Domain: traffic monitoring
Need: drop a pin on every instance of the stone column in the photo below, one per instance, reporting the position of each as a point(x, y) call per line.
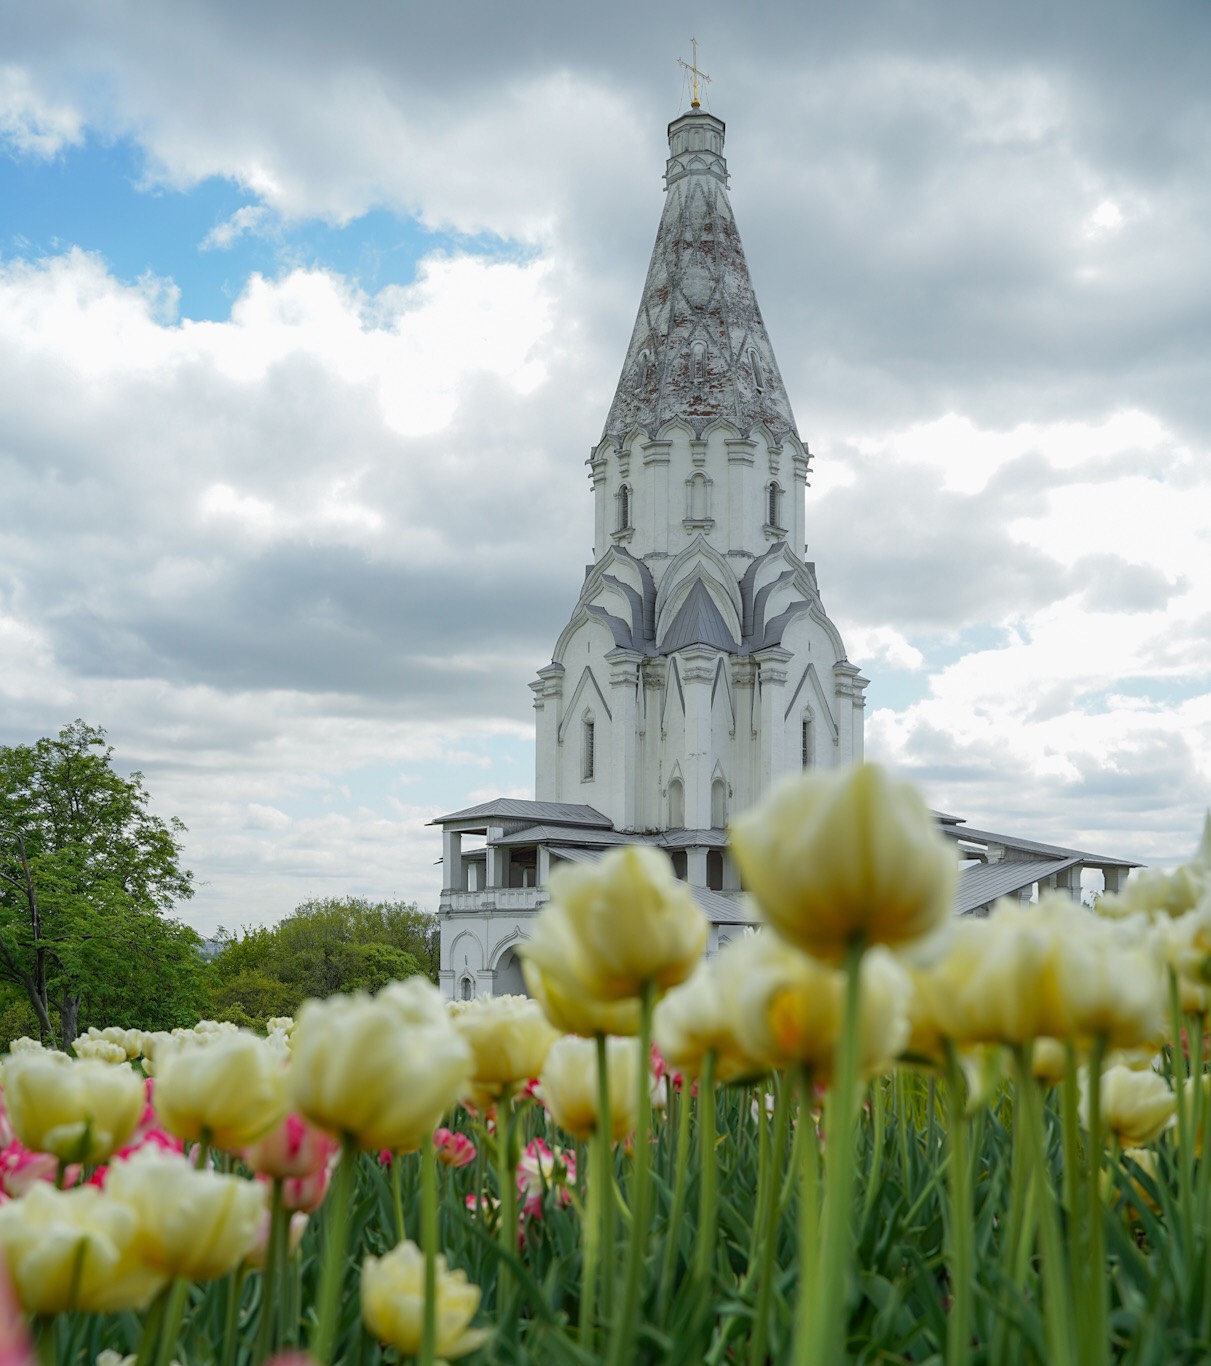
point(548, 706)
point(452, 861)
point(849, 686)
point(743, 532)
point(622, 780)
point(695, 867)
point(657, 515)
point(772, 757)
point(698, 761)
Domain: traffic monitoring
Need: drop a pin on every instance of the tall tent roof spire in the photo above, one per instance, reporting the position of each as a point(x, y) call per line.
point(699, 350)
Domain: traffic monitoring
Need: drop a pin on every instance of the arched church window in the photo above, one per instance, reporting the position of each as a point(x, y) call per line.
point(588, 749)
point(698, 501)
point(698, 362)
point(645, 369)
point(467, 989)
point(754, 364)
point(624, 508)
point(774, 504)
point(806, 741)
point(676, 805)
point(718, 804)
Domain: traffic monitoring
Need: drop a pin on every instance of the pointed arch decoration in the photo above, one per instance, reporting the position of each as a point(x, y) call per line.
point(586, 687)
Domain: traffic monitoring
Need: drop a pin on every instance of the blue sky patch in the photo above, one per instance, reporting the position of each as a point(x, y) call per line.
point(90, 197)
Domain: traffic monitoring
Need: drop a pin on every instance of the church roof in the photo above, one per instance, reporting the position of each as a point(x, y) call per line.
point(698, 622)
point(517, 809)
point(699, 350)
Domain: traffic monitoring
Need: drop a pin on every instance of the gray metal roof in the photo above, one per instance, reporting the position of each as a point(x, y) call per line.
point(515, 809)
point(698, 622)
point(984, 882)
point(965, 832)
point(721, 909)
point(692, 839)
point(566, 834)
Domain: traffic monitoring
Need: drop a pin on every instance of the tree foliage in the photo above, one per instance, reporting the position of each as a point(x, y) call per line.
point(325, 946)
point(87, 874)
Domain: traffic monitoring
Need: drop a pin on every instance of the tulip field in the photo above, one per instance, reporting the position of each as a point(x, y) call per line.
point(864, 1131)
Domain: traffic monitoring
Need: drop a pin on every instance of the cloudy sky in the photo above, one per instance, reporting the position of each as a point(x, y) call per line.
point(310, 314)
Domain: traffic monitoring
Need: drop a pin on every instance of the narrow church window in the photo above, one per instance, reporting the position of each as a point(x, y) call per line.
point(624, 508)
point(806, 739)
point(676, 805)
point(754, 361)
point(698, 362)
point(588, 758)
point(681, 861)
point(775, 505)
point(698, 498)
point(718, 804)
point(467, 989)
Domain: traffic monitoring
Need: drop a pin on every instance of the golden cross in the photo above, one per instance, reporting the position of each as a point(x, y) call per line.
point(695, 74)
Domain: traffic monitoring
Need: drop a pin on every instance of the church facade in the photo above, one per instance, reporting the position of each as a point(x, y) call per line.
point(699, 664)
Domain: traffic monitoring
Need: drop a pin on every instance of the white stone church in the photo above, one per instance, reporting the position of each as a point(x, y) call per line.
point(699, 664)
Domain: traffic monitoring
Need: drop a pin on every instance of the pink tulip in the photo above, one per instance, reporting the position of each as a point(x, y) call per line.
point(294, 1149)
point(453, 1150)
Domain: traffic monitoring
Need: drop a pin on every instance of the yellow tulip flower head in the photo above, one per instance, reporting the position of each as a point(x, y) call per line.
point(614, 926)
point(229, 1090)
point(509, 1037)
point(1136, 1106)
point(78, 1111)
point(789, 1007)
point(695, 1019)
point(569, 1084)
point(75, 1251)
point(380, 1071)
point(393, 1299)
point(198, 1224)
point(830, 857)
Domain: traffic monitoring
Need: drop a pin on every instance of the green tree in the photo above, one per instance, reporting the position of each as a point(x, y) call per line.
point(324, 946)
point(87, 874)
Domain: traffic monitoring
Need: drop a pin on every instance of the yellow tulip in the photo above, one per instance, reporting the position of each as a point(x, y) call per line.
point(393, 1301)
point(563, 998)
point(1136, 1107)
point(75, 1251)
point(695, 1019)
point(198, 1224)
point(833, 857)
point(789, 1007)
point(509, 1037)
point(614, 926)
point(569, 1084)
point(229, 1091)
point(380, 1071)
point(78, 1111)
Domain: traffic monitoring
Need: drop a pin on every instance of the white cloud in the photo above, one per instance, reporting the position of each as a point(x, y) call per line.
point(248, 220)
point(32, 123)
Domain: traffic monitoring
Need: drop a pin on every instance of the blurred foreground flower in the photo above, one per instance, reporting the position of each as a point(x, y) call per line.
point(831, 857)
point(698, 1017)
point(75, 1250)
point(77, 1111)
point(393, 1294)
point(293, 1149)
point(380, 1071)
point(541, 1170)
point(569, 1084)
point(190, 1223)
point(229, 1091)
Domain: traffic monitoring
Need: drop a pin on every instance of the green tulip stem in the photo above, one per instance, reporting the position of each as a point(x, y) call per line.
point(174, 1313)
point(1057, 1320)
point(958, 1323)
point(595, 1213)
point(231, 1325)
point(46, 1342)
point(332, 1270)
point(506, 1179)
point(603, 1138)
point(278, 1220)
point(762, 1260)
point(685, 1111)
point(150, 1335)
point(1185, 1135)
point(428, 1233)
point(202, 1151)
point(397, 1196)
point(805, 1156)
point(1097, 1330)
point(704, 1251)
point(820, 1341)
point(625, 1328)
